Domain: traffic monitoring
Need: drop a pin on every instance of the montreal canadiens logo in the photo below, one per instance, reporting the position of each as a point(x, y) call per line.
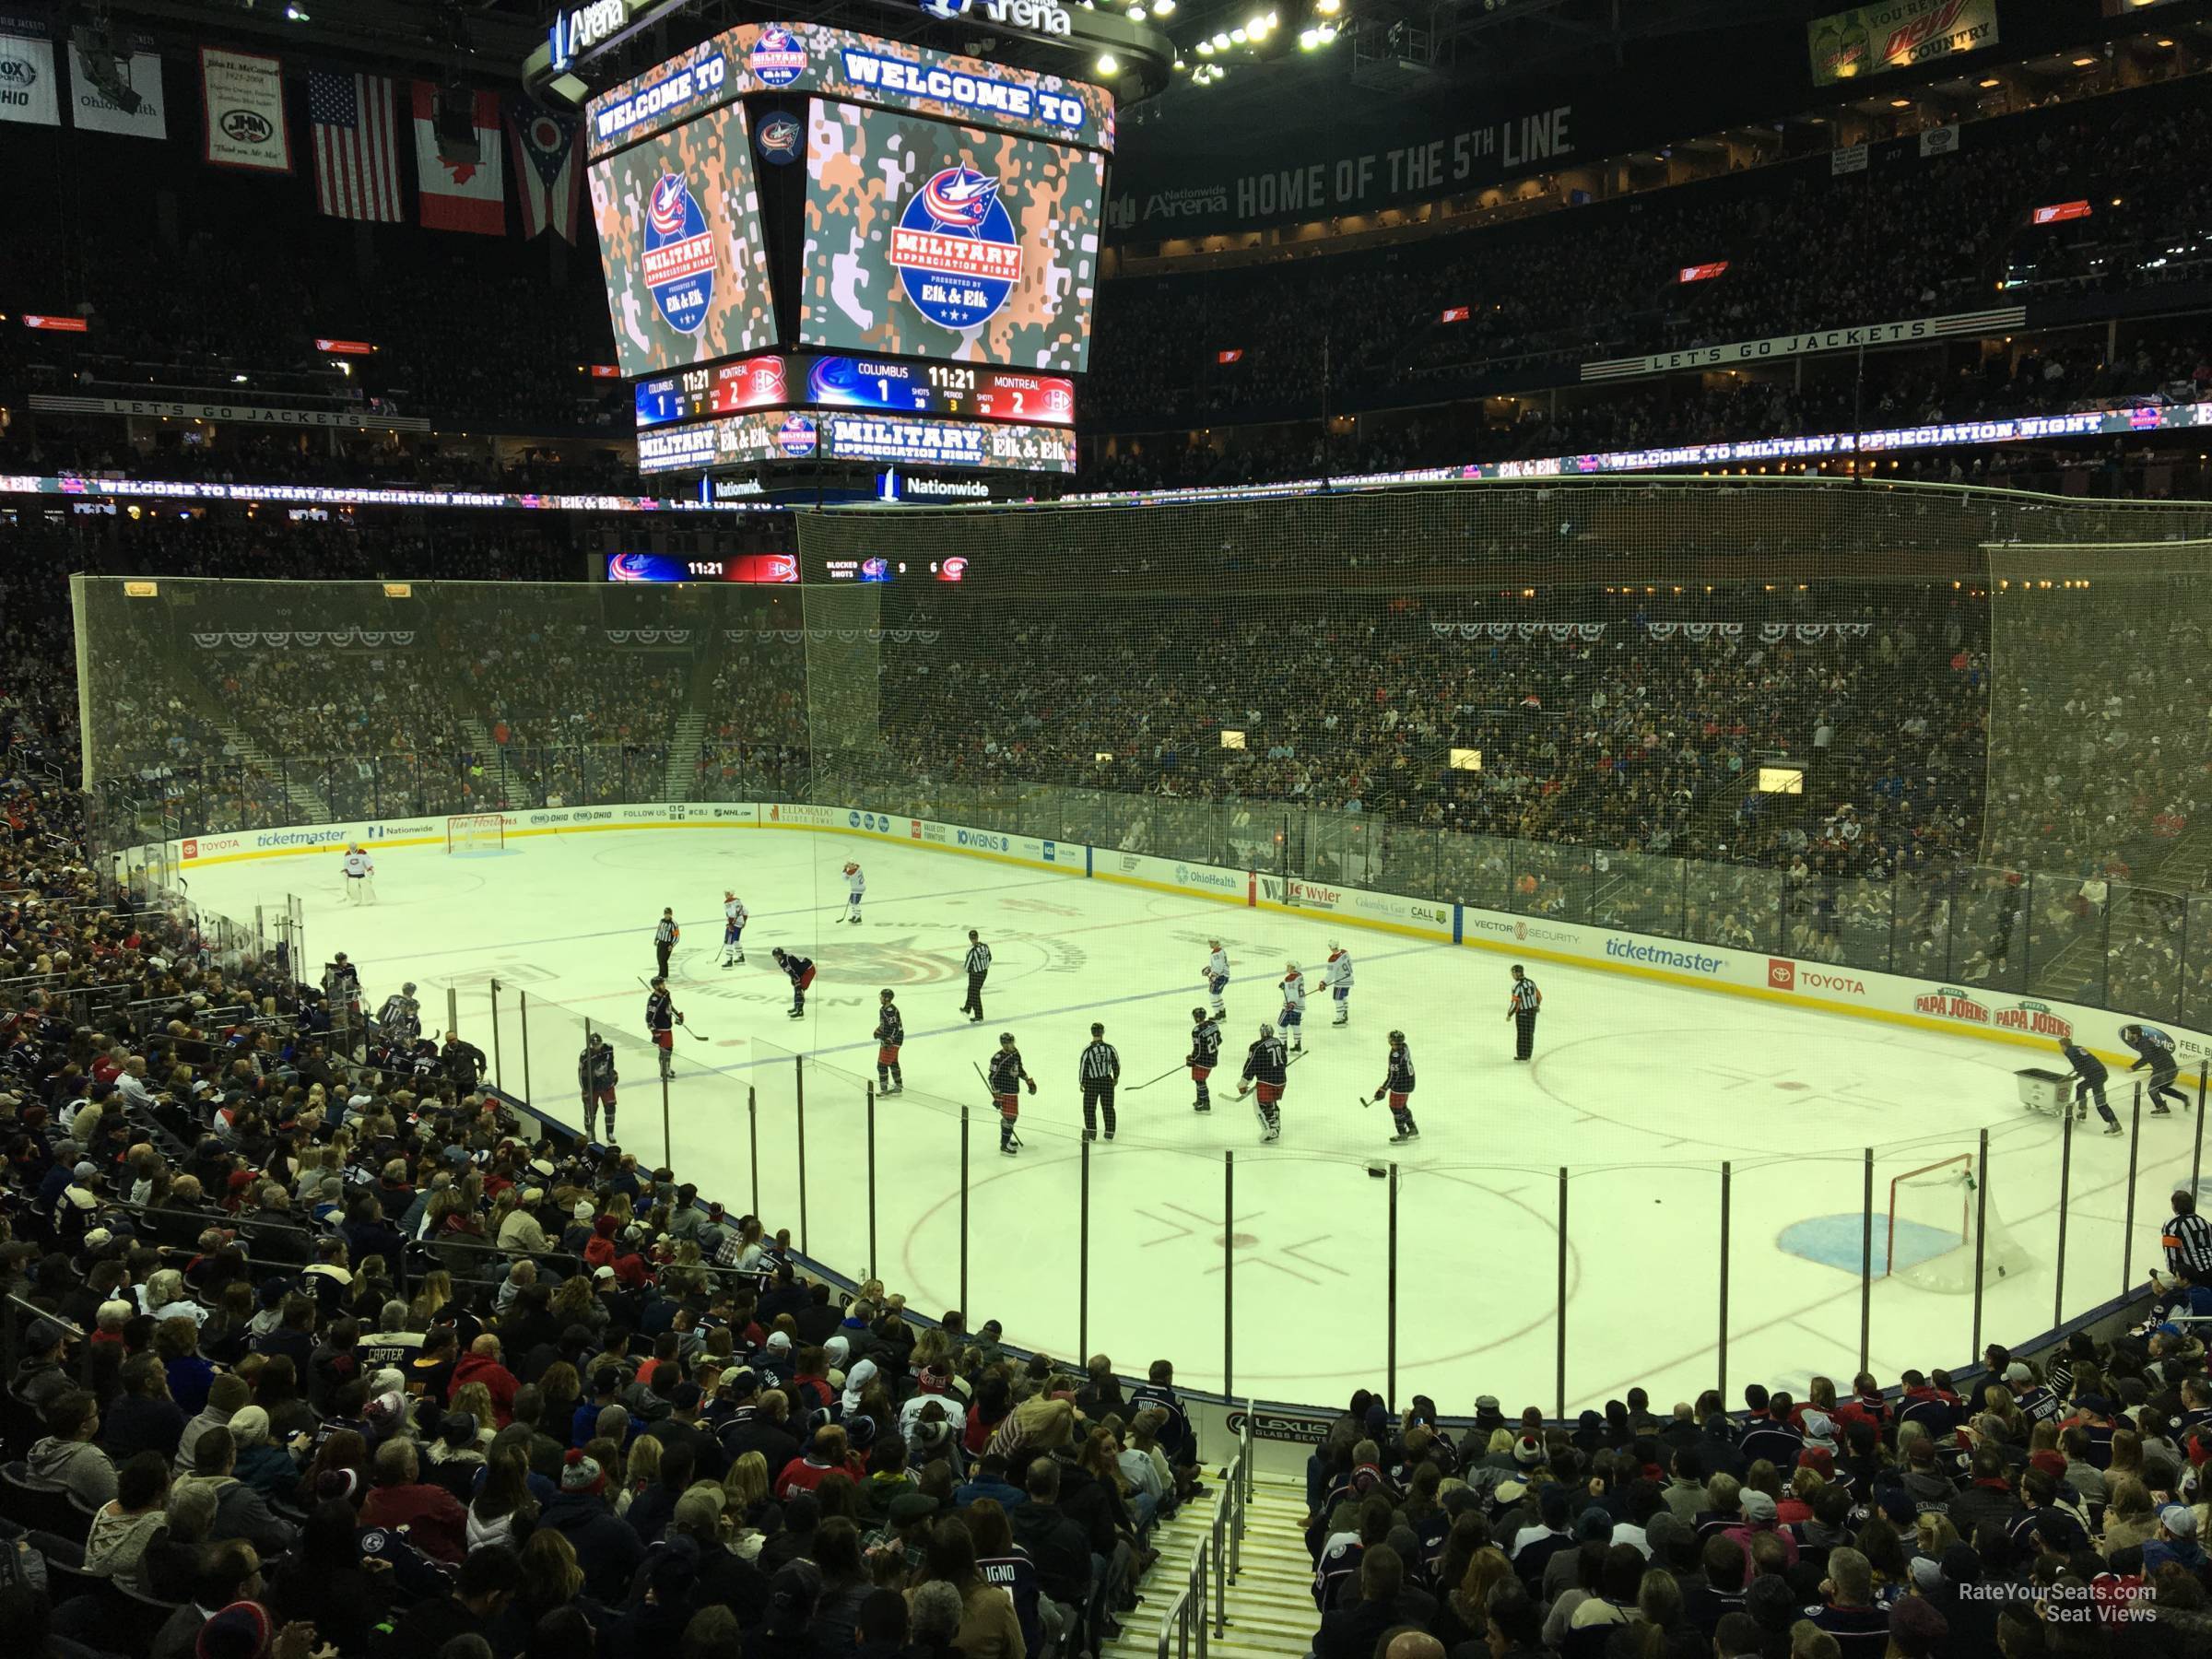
point(777, 58)
point(678, 263)
point(795, 436)
point(781, 137)
point(758, 383)
point(955, 251)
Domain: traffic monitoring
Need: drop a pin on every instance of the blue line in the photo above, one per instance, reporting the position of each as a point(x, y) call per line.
point(752, 916)
point(1135, 997)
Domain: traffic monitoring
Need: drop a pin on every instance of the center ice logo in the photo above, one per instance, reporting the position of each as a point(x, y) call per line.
point(678, 260)
point(955, 249)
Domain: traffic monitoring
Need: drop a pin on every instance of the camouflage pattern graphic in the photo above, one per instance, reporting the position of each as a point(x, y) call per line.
point(714, 159)
point(840, 63)
point(865, 166)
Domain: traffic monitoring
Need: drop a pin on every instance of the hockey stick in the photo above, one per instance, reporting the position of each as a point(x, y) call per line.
point(1013, 1136)
point(1365, 1101)
point(695, 1036)
point(1163, 1078)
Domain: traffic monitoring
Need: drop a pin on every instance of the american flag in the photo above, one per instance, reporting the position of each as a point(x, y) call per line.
point(357, 150)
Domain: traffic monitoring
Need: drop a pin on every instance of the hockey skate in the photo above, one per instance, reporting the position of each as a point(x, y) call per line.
point(1402, 1135)
point(2111, 1129)
point(1200, 1106)
point(1270, 1133)
point(896, 1088)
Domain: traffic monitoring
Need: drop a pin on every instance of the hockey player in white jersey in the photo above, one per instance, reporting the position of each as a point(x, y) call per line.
point(1217, 975)
point(1293, 1020)
point(1337, 977)
point(856, 885)
point(360, 875)
point(733, 929)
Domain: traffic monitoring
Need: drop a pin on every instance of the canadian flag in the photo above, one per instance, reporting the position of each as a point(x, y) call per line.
point(461, 195)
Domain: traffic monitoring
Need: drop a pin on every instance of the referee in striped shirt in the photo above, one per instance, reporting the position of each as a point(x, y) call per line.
point(1522, 1011)
point(664, 940)
point(979, 968)
point(1098, 1071)
point(2188, 1240)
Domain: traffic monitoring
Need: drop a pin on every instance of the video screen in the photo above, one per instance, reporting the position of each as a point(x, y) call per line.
point(912, 440)
point(679, 243)
point(733, 441)
point(929, 240)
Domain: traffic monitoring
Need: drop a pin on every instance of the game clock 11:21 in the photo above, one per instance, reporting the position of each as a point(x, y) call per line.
point(818, 380)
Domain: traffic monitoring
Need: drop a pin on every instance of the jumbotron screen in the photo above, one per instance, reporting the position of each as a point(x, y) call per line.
point(925, 239)
point(680, 246)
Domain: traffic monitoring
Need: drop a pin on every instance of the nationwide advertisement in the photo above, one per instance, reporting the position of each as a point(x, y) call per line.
point(927, 240)
point(802, 58)
point(1873, 39)
point(680, 247)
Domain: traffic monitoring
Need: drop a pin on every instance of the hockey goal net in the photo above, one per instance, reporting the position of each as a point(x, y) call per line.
point(1933, 1214)
point(477, 833)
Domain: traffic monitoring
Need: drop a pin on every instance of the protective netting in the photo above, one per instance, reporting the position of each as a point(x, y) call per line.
point(1952, 733)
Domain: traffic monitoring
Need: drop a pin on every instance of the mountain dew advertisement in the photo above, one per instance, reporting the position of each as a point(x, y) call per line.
point(1871, 40)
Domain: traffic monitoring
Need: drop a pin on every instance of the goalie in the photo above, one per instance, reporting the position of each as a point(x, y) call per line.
point(360, 875)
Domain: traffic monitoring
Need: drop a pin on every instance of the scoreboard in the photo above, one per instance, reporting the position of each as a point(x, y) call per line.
point(822, 247)
point(822, 379)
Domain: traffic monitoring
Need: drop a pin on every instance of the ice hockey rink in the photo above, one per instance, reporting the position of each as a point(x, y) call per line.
point(1638, 1089)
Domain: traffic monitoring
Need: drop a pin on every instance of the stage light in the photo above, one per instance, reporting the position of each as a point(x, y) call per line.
point(1108, 63)
point(1240, 35)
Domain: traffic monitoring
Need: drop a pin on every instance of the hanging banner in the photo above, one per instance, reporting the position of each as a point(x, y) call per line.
point(27, 79)
point(96, 112)
point(1873, 39)
point(242, 93)
point(1845, 337)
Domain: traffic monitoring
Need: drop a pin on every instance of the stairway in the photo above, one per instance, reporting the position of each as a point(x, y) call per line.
point(682, 774)
point(1270, 1605)
point(312, 808)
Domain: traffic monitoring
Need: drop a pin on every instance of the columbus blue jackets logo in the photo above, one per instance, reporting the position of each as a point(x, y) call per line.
point(946, 10)
point(777, 58)
point(955, 251)
point(795, 436)
point(780, 140)
point(678, 262)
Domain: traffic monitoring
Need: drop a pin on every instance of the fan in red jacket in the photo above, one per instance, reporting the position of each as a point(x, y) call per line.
point(481, 1364)
point(435, 1521)
point(827, 1454)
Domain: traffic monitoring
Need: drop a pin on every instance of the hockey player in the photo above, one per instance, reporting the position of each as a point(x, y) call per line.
point(1265, 1066)
point(800, 971)
point(856, 885)
point(1294, 1006)
point(2155, 1050)
point(1217, 975)
point(1006, 1076)
point(1398, 1086)
point(2089, 1077)
point(661, 1020)
point(890, 1032)
point(1337, 977)
point(1096, 1072)
point(1206, 1050)
point(360, 875)
point(596, 1080)
point(400, 1019)
point(733, 929)
point(664, 936)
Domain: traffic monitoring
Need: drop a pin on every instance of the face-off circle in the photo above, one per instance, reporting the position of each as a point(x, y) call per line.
point(955, 249)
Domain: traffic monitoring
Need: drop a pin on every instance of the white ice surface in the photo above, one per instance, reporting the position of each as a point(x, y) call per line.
point(1641, 1090)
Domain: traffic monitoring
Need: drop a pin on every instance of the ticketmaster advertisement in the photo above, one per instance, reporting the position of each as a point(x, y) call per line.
point(928, 239)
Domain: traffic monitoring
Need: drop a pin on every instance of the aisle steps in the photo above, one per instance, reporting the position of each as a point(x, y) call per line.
point(1270, 1606)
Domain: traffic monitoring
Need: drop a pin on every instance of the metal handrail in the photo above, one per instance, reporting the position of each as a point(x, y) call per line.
point(1187, 1611)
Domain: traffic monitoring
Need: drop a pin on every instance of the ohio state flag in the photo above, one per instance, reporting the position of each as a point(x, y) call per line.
point(460, 196)
point(548, 183)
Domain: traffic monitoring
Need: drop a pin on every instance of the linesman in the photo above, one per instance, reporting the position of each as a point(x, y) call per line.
point(1099, 1070)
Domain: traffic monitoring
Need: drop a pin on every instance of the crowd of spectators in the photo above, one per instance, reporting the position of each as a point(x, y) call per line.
point(321, 1351)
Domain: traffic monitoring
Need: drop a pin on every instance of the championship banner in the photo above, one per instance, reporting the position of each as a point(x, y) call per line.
point(95, 112)
point(242, 95)
point(1873, 39)
point(28, 83)
point(1811, 342)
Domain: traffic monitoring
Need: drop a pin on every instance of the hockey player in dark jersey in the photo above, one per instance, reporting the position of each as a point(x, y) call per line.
point(890, 1032)
point(800, 970)
point(1265, 1062)
point(596, 1077)
point(2155, 1050)
point(1006, 1077)
point(1398, 1086)
point(2090, 1078)
point(1205, 1052)
point(661, 1020)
